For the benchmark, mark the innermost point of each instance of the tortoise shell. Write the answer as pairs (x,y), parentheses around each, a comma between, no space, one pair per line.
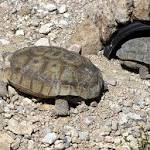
(53,71)
(137,50)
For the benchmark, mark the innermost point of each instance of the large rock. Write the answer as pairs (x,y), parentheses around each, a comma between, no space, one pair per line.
(87,36)
(108,14)
(22,128)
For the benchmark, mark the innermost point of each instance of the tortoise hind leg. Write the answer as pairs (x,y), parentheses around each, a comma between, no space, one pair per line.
(144,72)
(61,107)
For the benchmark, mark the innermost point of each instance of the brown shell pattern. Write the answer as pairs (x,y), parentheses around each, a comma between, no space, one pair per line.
(51,71)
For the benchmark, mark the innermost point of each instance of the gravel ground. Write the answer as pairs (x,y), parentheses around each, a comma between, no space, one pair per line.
(120,120)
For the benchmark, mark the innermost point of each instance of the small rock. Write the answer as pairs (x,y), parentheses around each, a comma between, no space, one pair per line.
(75,48)
(26,101)
(93,104)
(20,33)
(46,28)
(117,140)
(114,125)
(50,138)
(147,101)
(109,139)
(66,15)
(62,9)
(134,116)
(25,10)
(82,108)
(84,136)
(11,91)
(127,103)
(4,41)
(67,141)
(42,42)
(111,82)
(89,120)
(123,118)
(31,145)
(141,103)
(23,127)
(15,145)
(59,145)
(50,7)
(35,22)
(62,23)
(14,98)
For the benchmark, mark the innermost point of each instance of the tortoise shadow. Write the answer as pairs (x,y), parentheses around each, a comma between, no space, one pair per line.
(73,101)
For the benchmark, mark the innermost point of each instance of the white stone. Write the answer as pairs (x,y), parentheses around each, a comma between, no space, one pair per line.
(75,48)
(123,118)
(26,101)
(4,41)
(66,15)
(50,7)
(23,127)
(59,145)
(50,138)
(19,32)
(62,9)
(134,116)
(11,91)
(62,23)
(84,136)
(42,42)
(46,28)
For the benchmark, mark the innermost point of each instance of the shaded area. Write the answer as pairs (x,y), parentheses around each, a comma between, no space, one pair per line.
(125,33)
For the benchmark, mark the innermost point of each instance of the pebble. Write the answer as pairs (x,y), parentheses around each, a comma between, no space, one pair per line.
(42,42)
(94,104)
(20,32)
(50,138)
(4,41)
(59,145)
(11,91)
(75,48)
(123,118)
(62,9)
(134,116)
(31,145)
(62,23)
(46,28)
(50,7)
(84,136)
(89,120)
(26,101)
(111,82)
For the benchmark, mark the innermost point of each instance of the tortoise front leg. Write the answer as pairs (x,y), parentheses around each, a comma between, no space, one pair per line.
(144,72)
(61,107)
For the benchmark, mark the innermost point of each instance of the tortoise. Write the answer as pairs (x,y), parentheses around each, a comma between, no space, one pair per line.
(135,54)
(47,71)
